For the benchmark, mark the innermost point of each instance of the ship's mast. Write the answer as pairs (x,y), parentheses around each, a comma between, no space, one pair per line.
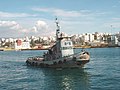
(58,28)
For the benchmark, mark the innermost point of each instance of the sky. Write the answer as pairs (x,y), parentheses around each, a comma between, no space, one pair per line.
(20,18)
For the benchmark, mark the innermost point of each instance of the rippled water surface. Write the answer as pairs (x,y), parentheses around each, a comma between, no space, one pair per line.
(101,73)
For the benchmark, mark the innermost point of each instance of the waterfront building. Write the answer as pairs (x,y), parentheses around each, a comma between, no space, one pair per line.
(26,45)
(88,37)
(113,40)
(91,37)
(2,39)
(19,44)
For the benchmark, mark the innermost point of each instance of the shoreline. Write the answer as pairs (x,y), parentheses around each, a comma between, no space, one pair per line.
(85,47)
(9,49)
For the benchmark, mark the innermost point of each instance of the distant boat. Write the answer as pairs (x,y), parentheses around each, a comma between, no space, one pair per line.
(60,55)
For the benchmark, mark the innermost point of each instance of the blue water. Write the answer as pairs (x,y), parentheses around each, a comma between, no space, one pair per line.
(101,73)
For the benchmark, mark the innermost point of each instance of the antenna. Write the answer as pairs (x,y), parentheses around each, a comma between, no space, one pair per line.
(111,28)
(58,28)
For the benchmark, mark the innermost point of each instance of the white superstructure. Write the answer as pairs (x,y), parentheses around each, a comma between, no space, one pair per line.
(66,47)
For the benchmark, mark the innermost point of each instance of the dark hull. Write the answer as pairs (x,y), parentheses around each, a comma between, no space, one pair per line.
(66,64)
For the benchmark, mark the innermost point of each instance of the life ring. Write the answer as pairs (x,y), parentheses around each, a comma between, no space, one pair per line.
(55,63)
(60,62)
(64,60)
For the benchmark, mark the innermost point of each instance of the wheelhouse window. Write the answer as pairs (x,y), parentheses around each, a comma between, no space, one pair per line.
(65,48)
(67,43)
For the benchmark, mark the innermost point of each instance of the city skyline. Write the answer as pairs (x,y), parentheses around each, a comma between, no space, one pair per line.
(37,18)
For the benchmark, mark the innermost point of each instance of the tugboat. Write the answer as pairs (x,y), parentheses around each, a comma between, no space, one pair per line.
(60,55)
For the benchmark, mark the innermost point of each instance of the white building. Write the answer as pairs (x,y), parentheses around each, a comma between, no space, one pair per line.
(114,39)
(19,44)
(26,45)
(91,37)
(88,37)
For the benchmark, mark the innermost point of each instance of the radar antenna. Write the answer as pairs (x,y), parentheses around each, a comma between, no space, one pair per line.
(58,28)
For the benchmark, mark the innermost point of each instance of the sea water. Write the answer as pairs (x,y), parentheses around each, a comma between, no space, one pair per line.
(101,73)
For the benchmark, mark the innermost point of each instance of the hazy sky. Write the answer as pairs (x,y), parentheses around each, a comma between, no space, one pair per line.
(19,18)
